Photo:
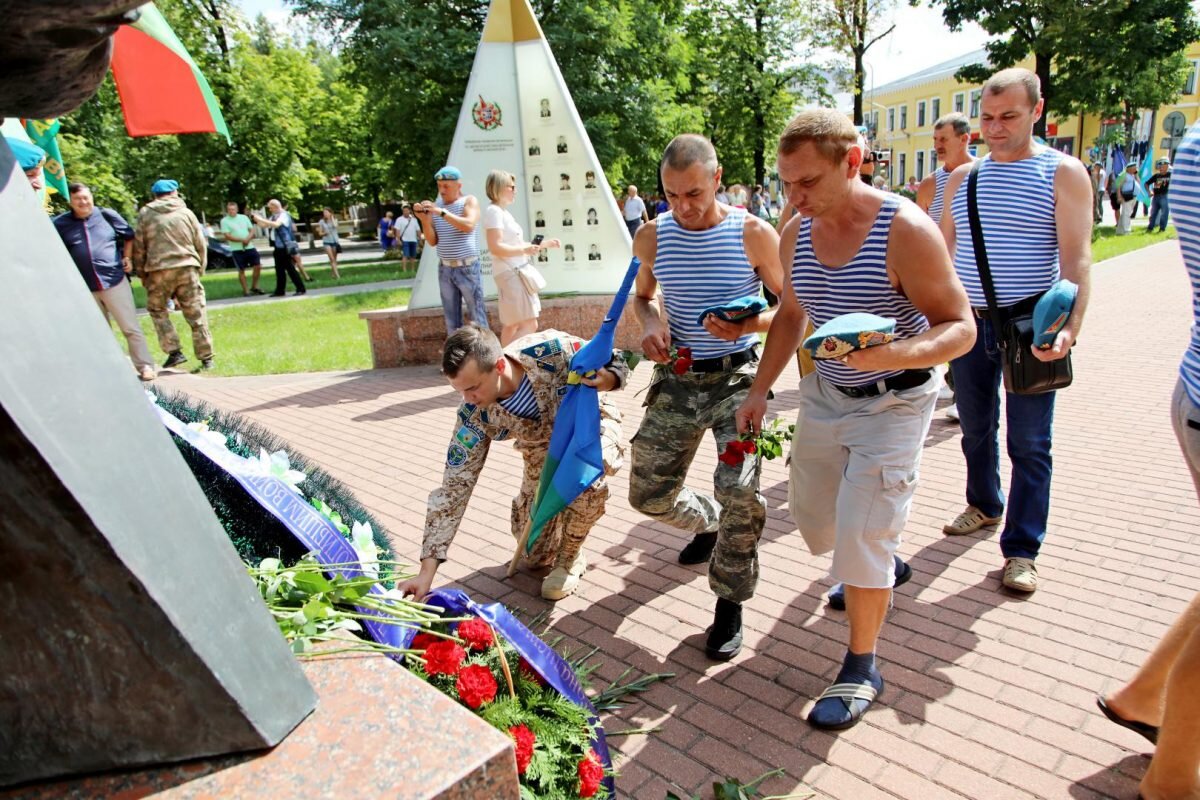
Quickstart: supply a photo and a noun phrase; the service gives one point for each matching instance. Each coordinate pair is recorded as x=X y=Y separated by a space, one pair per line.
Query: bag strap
x=981 y=259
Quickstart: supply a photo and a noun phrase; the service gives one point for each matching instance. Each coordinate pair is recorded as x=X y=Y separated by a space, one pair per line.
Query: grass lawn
x=1108 y=244
x=224 y=283
x=311 y=335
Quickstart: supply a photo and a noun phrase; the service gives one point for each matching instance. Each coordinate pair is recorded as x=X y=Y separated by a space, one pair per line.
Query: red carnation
x=476 y=633
x=590 y=774
x=444 y=658
x=422 y=641
x=476 y=685
x=749 y=447
x=682 y=360
x=524 y=740
x=732 y=456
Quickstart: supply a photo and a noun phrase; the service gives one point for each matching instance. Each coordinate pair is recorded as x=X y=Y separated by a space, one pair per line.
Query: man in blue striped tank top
x=702 y=254
x=863 y=418
x=1035 y=211
x=449 y=225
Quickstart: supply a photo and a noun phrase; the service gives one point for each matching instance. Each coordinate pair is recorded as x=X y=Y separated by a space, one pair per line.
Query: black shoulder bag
x=1023 y=374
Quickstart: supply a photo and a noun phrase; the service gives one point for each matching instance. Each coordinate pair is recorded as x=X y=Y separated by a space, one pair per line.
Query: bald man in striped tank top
x=1035 y=211
x=863 y=418
x=702 y=254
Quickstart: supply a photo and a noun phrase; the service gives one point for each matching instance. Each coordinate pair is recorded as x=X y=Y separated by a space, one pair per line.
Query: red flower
x=422 y=640
x=732 y=456
x=444 y=658
x=529 y=672
x=681 y=360
x=749 y=447
x=476 y=685
x=685 y=352
x=476 y=633
x=590 y=774
x=524 y=740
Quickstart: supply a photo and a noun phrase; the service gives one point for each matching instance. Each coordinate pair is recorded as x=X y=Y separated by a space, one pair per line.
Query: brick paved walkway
x=989 y=695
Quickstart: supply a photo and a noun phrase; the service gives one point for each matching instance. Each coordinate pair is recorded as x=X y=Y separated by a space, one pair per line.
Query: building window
x=933 y=165
x=904 y=116
x=920 y=113
x=900 y=173
x=891 y=119
x=1189 y=86
x=935 y=109
x=874 y=123
x=959 y=98
x=976 y=94
x=920 y=165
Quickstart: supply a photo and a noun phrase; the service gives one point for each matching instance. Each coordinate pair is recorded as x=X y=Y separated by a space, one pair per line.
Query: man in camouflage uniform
x=530 y=378
x=169 y=255
x=702 y=254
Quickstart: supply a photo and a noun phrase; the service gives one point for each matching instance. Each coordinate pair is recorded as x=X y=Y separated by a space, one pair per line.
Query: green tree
x=1076 y=47
x=850 y=27
x=749 y=73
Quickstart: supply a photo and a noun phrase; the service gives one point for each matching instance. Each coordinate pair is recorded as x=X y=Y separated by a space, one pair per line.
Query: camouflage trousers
x=563 y=536
x=679 y=409
x=184 y=285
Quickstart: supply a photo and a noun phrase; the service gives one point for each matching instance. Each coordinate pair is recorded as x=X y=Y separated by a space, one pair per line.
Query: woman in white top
x=329 y=238
x=519 y=307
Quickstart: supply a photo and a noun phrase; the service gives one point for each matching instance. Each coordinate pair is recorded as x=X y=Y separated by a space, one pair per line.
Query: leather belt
x=725 y=363
x=458 y=262
x=909 y=379
x=1007 y=312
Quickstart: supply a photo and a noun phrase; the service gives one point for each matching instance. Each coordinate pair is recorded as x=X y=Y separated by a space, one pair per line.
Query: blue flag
x=1144 y=173
x=575 y=459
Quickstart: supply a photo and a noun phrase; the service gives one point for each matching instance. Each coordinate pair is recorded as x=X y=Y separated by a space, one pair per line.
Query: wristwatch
x=441 y=212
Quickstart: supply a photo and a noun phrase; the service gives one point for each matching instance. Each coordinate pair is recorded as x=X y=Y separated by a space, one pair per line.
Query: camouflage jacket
x=546 y=357
x=168 y=237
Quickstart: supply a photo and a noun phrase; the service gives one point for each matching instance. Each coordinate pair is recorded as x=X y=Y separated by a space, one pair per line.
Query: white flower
x=279 y=465
x=212 y=436
x=363 y=541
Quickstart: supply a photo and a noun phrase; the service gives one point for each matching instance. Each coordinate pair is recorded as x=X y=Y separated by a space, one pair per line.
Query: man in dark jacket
x=101 y=243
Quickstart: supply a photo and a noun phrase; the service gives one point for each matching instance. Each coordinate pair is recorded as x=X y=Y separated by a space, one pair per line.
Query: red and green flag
x=161 y=88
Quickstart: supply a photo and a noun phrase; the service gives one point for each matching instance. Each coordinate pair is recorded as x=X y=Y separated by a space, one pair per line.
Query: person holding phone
x=518 y=301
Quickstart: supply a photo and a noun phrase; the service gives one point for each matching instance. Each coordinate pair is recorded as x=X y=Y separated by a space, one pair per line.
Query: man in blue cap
x=449 y=225
x=31 y=158
x=170 y=254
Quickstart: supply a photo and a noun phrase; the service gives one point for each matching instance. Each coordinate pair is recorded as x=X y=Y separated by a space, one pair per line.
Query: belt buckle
x=856 y=392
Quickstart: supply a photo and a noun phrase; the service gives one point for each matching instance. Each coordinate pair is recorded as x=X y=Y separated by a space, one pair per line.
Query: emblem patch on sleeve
x=467 y=437
x=456 y=456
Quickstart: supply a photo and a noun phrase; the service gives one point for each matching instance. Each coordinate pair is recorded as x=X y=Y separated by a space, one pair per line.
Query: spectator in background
x=283 y=246
x=866 y=170
x=1127 y=192
x=449 y=225
x=661 y=207
x=409 y=236
x=100 y=242
x=385 y=231
x=328 y=227
x=1098 y=183
x=170 y=254
x=722 y=195
x=1158 y=184
x=31 y=159
x=634 y=210
x=237 y=231
x=297 y=259
x=912 y=185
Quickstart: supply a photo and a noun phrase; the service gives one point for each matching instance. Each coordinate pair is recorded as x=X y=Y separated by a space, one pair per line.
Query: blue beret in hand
x=1052 y=311
x=738 y=310
x=850 y=332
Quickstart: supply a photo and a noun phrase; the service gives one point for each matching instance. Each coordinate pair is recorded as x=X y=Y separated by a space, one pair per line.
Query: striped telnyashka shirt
x=453 y=244
x=1185 y=205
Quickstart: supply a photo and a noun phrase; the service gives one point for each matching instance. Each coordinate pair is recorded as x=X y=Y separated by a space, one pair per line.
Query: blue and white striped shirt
x=699 y=270
x=1185 y=203
x=453 y=244
x=1016 y=210
x=861 y=285
x=522 y=403
x=939 y=194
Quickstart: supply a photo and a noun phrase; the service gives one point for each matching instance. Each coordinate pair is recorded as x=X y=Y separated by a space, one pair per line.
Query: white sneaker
x=952 y=412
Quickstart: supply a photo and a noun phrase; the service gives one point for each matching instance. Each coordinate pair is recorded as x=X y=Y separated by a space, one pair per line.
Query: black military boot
x=725 y=634
x=174 y=359
x=698 y=549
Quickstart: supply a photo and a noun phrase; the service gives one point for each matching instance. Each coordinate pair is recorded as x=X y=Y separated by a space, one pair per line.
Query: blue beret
x=748 y=306
x=164 y=186
x=28 y=155
x=448 y=173
x=841 y=335
x=1052 y=311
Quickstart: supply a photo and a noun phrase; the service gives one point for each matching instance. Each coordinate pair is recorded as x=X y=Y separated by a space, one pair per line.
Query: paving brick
x=989 y=695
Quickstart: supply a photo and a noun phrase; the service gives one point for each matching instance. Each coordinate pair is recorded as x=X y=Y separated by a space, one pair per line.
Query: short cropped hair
x=470 y=342
x=831 y=132
x=1015 y=76
x=497 y=181
x=959 y=120
x=76 y=188
x=687 y=149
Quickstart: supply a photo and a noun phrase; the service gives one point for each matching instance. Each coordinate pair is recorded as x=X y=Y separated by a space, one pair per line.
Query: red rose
x=731 y=457
x=590 y=774
x=476 y=685
x=476 y=633
x=444 y=657
x=681 y=365
x=749 y=447
x=524 y=739
x=685 y=352
x=422 y=640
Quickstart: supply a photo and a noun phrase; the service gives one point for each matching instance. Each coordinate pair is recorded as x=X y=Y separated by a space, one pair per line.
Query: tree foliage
x=851 y=27
x=1099 y=55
